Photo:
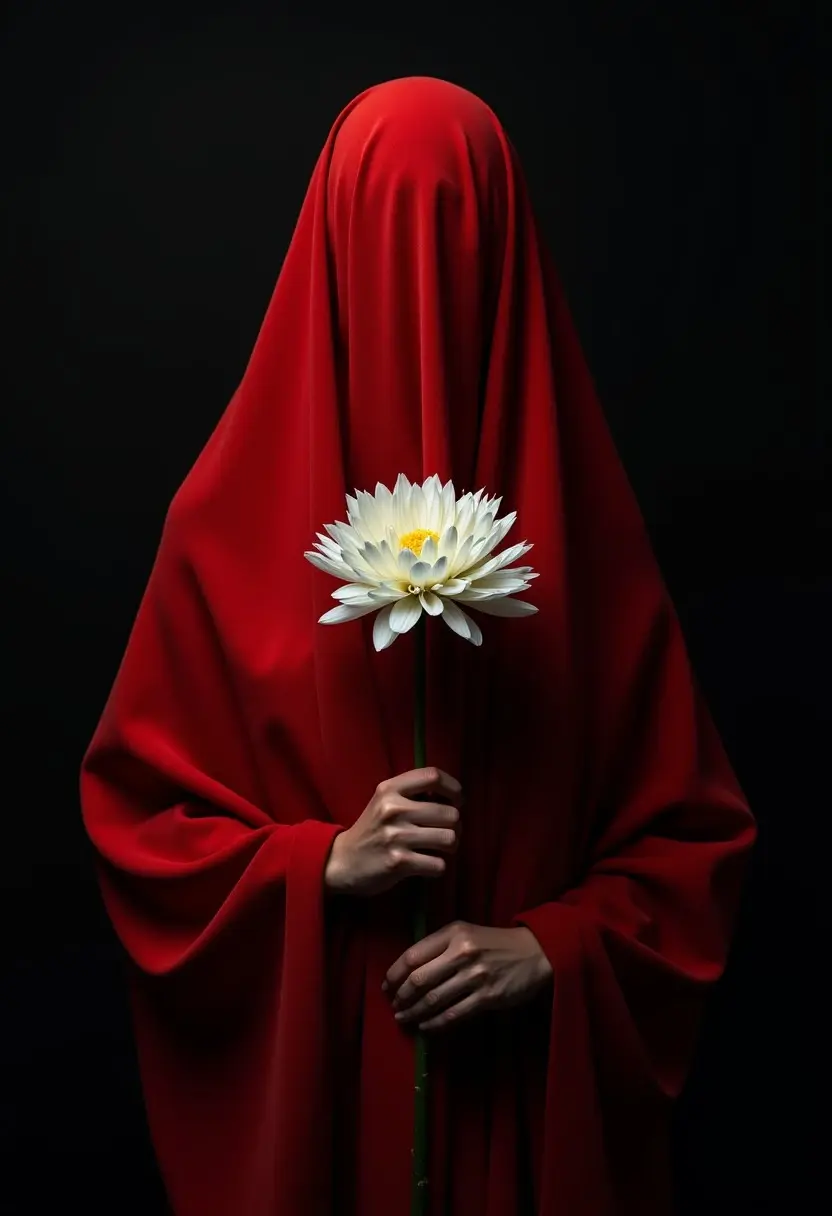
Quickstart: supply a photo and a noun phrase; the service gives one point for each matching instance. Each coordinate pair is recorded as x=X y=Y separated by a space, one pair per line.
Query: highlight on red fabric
x=417 y=326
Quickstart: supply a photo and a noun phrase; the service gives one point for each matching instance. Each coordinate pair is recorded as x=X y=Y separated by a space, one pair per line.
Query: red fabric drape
x=416 y=327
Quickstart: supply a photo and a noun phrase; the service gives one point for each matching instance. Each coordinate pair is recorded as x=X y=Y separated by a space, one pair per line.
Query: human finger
x=417 y=955
x=416 y=838
x=430 y=814
x=430 y=780
x=434 y=990
x=470 y=1005
x=409 y=864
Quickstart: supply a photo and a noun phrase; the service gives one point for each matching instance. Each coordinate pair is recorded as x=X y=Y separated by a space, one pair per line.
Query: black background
x=155 y=161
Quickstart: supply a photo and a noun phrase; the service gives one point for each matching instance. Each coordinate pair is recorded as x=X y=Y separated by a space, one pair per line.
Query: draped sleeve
x=639 y=938
x=212 y=875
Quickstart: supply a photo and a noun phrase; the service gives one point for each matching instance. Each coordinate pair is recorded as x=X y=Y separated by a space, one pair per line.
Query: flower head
x=420 y=548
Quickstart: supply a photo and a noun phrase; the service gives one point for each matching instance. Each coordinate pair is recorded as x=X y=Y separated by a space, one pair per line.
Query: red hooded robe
x=416 y=327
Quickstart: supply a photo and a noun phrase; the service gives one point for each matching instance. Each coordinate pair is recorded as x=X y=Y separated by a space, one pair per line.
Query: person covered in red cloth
x=259 y=828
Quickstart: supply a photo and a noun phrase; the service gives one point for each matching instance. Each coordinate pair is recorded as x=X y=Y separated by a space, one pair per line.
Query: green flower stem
x=419 y=1189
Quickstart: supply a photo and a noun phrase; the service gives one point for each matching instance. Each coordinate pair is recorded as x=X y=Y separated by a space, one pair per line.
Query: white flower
x=417 y=548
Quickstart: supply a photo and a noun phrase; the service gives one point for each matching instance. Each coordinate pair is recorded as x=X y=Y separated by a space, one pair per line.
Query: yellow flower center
x=415 y=539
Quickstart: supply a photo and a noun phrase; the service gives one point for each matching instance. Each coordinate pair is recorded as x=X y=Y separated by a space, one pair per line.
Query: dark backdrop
x=154 y=165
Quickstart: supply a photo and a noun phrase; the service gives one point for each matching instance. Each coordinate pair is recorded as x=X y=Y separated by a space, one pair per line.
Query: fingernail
x=384 y=986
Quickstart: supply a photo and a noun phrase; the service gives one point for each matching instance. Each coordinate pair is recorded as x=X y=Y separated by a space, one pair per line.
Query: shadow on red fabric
x=417 y=326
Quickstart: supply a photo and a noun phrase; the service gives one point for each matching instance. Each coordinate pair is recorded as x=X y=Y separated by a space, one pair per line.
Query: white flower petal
x=374 y=558
x=430 y=550
x=475 y=597
x=419 y=508
x=383 y=635
x=484 y=523
x=494 y=585
x=461 y=623
x=347 y=612
x=419 y=572
x=353 y=592
x=431 y=496
x=338 y=569
x=498 y=533
x=452 y=586
x=464 y=516
x=361 y=572
x=405 y=613
x=498 y=577
x=400 y=493
x=352 y=552
x=370 y=514
x=463 y=556
x=384 y=500
x=441 y=517
x=438 y=570
x=389 y=559
x=327 y=545
x=448 y=542
x=431 y=603
x=332 y=552
x=382 y=596
x=409 y=514
x=482 y=570
x=342 y=534
x=511 y=555
x=448 y=506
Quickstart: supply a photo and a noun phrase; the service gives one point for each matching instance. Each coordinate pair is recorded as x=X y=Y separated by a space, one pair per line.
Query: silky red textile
x=416 y=327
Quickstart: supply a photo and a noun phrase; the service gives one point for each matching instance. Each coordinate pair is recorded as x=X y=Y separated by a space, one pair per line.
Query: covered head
x=420 y=201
